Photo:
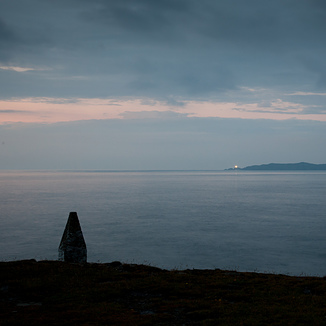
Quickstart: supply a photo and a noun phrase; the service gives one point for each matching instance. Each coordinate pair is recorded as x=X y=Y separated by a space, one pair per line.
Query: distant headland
x=302 y=166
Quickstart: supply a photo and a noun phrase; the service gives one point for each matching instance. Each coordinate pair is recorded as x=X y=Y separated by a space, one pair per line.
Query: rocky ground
x=58 y=293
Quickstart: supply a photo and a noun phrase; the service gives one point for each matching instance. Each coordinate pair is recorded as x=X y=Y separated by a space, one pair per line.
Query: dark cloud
x=7 y=40
x=314 y=110
x=6 y=35
x=162 y=49
x=139 y=16
x=153 y=115
x=13 y=111
x=250 y=23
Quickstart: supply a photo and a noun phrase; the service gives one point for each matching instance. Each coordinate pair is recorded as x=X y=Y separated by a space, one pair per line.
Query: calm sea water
x=248 y=221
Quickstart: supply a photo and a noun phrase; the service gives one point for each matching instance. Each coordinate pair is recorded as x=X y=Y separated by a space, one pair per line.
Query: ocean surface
x=246 y=221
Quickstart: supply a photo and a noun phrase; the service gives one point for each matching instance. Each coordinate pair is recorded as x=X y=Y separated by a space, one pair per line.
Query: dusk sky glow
x=170 y=84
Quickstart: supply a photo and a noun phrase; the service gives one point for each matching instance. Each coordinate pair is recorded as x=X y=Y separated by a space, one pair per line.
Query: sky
x=159 y=85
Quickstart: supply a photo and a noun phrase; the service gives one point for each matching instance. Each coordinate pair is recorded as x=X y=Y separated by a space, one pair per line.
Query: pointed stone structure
x=72 y=247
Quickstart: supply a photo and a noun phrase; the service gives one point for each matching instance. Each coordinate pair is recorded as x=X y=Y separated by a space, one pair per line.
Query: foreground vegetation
x=58 y=293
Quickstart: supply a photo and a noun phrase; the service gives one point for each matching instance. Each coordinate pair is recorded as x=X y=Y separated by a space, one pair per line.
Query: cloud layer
x=161 y=49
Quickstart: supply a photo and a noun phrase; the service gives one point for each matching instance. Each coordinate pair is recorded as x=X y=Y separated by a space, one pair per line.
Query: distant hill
x=302 y=166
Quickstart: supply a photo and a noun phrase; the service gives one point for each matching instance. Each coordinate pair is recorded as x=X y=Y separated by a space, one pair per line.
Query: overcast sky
x=169 y=84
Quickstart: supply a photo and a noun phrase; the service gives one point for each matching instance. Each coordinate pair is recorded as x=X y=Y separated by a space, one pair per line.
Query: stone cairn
x=72 y=247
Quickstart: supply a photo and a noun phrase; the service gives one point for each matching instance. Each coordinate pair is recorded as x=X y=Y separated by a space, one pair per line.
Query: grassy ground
x=58 y=293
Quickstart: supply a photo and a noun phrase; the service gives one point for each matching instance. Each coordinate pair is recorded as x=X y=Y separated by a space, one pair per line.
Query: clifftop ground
x=58 y=293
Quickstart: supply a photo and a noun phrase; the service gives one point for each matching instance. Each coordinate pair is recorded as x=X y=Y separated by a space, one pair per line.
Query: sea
x=268 y=222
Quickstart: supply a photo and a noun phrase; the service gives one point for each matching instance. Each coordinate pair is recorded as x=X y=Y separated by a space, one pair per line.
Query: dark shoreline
x=302 y=166
x=58 y=293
